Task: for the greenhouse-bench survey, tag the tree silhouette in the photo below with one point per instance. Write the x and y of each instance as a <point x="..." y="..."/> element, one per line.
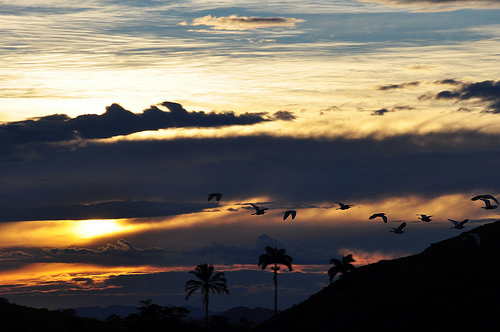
<point x="340" y="266"/>
<point x="275" y="256"/>
<point x="208" y="282"/>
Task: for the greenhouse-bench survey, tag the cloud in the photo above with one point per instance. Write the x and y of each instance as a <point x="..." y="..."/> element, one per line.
<point x="440" y="5"/>
<point x="284" y="115"/>
<point x="100" y="210"/>
<point x="398" y="86"/>
<point x="117" y="121"/>
<point x="450" y="81"/>
<point x="383" y="111"/>
<point x="235" y="22"/>
<point x="153" y="178"/>
<point x="485" y="91"/>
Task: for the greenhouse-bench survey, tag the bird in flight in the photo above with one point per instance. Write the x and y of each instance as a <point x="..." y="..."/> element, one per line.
<point x="258" y="210"/>
<point x="458" y="225"/>
<point x="487" y="204"/>
<point x="399" y="230"/>
<point x="381" y="215"/>
<point x="424" y="217"/>
<point x="476" y="237"/>
<point x="343" y="206"/>
<point x="217" y="196"/>
<point x="289" y="213"/>
<point x="482" y="197"/>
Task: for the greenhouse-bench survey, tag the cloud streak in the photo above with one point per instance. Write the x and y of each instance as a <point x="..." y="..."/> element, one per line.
<point x="440" y="5"/>
<point x="235" y="22"/>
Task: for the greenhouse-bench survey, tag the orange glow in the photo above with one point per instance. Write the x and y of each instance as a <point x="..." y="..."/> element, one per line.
<point x="363" y="257"/>
<point x="46" y="233"/>
<point x="95" y="227"/>
<point x="65" y="275"/>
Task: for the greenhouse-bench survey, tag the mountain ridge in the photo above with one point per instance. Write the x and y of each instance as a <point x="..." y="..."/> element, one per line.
<point x="453" y="284"/>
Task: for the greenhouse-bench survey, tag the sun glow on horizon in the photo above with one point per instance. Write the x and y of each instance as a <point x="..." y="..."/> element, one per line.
<point x="97" y="227"/>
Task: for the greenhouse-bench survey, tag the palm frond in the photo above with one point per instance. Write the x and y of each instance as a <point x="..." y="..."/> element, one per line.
<point x="275" y="256"/>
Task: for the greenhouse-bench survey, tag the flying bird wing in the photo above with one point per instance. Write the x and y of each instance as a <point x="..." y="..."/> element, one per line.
<point x="487" y="196"/>
<point x="255" y="207"/>
<point x="289" y="213"/>
<point x="217" y="196"/>
<point x="476" y="237"/>
<point x="403" y="225"/>
<point x="454" y="222"/>
<point x="384" y="217"/>
<point x="486" y="202"/>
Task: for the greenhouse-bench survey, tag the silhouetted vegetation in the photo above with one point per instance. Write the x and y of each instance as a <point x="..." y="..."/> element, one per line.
<point x="207" y="282"/>
<point x="340" y="266"/>
<point x="152" y="317"/>
<point x="275" y="256"/>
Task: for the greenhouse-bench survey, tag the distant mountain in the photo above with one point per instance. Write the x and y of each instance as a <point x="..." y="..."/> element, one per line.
<point x="234" y="315"/>
<point x="103" y="313"/>
<point x="454" y="285"/>
<point x="17" y="318"/>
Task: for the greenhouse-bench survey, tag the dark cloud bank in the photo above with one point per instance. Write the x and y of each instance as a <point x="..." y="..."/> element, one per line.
<point x="148" y="178"/>
<point x="119" y="121"/>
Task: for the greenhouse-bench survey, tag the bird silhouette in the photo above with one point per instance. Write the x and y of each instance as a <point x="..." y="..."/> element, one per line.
<point x="458" y="225"/>
<point x="343" y="206"/>
<point x="424" y="217"/>
<point x="487" y="204"/>
<point x="258" y="210"/>
<point x="217" y="196"/>
<point x="486" y="196"/>
<point x="382" y="215"/>
<point x="399" y="230"/>
<point x="476" y="237"/>
<point x="289" y="213"/>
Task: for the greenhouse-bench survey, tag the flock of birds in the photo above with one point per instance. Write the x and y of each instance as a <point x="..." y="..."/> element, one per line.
<point x="486" y="199"/>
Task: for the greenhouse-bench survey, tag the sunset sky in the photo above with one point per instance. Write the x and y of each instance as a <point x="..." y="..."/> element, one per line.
<point x="118" y="117"/>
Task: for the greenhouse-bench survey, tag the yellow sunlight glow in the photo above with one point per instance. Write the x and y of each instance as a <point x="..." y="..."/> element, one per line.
<point x="96" y="227"/>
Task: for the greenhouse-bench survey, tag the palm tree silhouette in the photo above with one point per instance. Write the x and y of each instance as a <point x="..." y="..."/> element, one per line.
<point x="209" y="282"/>
<point x="275" y="256"/>
<point x="340" y="266"/>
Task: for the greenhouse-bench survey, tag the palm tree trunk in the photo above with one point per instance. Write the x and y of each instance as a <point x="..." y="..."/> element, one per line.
<point x="206" y="314"/>
<point x="275" y="290"/>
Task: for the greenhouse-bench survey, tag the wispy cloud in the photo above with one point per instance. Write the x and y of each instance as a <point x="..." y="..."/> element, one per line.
<point x="235" y="22"/>
<point x="440" y="5"/>
<point x="398" y="86"/>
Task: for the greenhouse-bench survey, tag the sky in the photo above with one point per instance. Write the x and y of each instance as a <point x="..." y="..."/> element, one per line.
<point x="117" y="118"/>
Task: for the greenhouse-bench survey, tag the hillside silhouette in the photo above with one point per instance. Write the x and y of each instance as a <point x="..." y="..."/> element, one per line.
<point x="19" y="318"/>
<point x="452" y="285"/>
